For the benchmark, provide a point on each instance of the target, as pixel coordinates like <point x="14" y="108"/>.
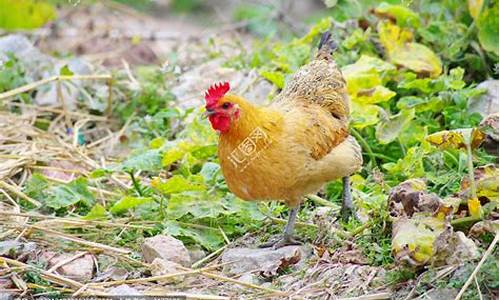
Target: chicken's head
<point x="220" y="110"/>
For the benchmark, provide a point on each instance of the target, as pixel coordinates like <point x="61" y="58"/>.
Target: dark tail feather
<point x="326" y="43"/>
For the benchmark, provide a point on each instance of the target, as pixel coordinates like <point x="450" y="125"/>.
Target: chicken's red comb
<point x="215" y="92"/>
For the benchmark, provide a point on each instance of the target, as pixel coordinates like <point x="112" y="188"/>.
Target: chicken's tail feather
<point x="326" y="45"/>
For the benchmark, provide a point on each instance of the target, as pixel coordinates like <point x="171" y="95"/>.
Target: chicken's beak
<point x="208" y="113"/>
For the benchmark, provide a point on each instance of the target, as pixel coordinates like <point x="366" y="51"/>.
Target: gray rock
<point x="29" y="55"/>
<point x="442" y="294"/>
<point x="79" y="269"/>
<point x="453" y="248"/>
<point x="196" y="254"/>
<point x="193" y="84"/>
<point x="487" y="103"/>
<point x="161" y="266"/>
<point x="265" y="260"/>
<point x="124" y="290"/>
<point x="166" y="247"/>
<point x="249" y="278"/>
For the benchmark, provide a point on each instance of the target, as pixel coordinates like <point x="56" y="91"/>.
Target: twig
<point x="481" y="262"/>
<point x="38" y="83"/>
<point x="16" y="191"/>
<point x="228" y="279"/>
<point x="206" y="258"/>
<point x="195" y="296"/>
<point x="320" y="201"/>
<point x="48" y="276"/>
<point x="65" y="261"/>
<point x="80" y="241"/>
<point x="153" y="278"/>
<point x="75" y="221"/>
<point x="378" y="296"/>
<point x="60" y="111"/>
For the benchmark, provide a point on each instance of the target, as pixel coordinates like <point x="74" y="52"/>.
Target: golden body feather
<point x="295" y="145"/>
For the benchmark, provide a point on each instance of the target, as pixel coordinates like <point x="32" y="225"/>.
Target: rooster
<point x="293" y="146"/>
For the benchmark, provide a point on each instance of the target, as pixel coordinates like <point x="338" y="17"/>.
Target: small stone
<point x="442" y="294"/>
<point x="249" y="278"/>
<point x="79" y="269"/>
<point x="167" y="248"/>
<point x="250" y="259"/>
<point x="486" y="103"/>
<point x="161" y="266"/>
<point x="124" y="290"/>
<point x="196" y="254"/>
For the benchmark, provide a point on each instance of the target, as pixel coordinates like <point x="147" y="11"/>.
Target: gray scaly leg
<point x="347" y="209"/>
<point x="287" y="238"/>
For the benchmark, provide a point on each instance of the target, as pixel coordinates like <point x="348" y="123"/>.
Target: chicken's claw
<point x="348" y="212"/>
<point x="282" y="242"/>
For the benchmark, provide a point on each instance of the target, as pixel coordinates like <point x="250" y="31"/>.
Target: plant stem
<point x="365" y="145"/>
<point x="135" y="183"/>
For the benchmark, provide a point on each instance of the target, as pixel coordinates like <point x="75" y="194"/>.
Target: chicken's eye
<point x="226" y="105"/>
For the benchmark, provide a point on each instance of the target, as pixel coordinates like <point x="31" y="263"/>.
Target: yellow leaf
<point x="486" y="178"/>
<point x="475" y="7"/>
<point x="418" y="58"/>
<point x="362" y="81"/>
<point x="364" y="115"/>
<point x="455" y="138"/>
<point x="413" y="239"/>
<point x="392" y="36"/>
<point x="174" y="154"/>
<point x="404" y="52"/>
<point x="474" y="207"/>
<point x="374" y="95"/>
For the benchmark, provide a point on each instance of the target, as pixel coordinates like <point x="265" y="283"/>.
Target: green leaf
<point x="199" y="205"/>
<point x="65" y="71"/>
<point x="177" y="184"/>
<point x="129" y="202"/>
<point x="25" y="14"/>
<point x="389" y="130"/>
<point x="487" y="23"/>
<point x="410" y="166"/>
<point x="330" y="3"/>
<point x="36" y="187"/>
<point x="275" y="77"/>
<point x="157" y="143"/>
<point x="149" y="160"/>
<point x="420" y="104"/>
<point x="209" y="238"/>
<point x="97" y="212"/>
<point x="99" y="173"/>
<point x="247" y="208"/>
<point x="402" y="14"/>
<point x="65" y="195"/>
<point x="320" y="27"/>
<point x="209" y="171"/>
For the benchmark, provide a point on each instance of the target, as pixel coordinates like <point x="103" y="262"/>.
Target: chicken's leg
<point x="347" y="209"/>
<point x="287" y="238"/>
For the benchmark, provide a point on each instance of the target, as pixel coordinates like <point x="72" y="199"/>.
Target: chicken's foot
<point x="347" y="209"/>
<point x="287" y="238"/>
